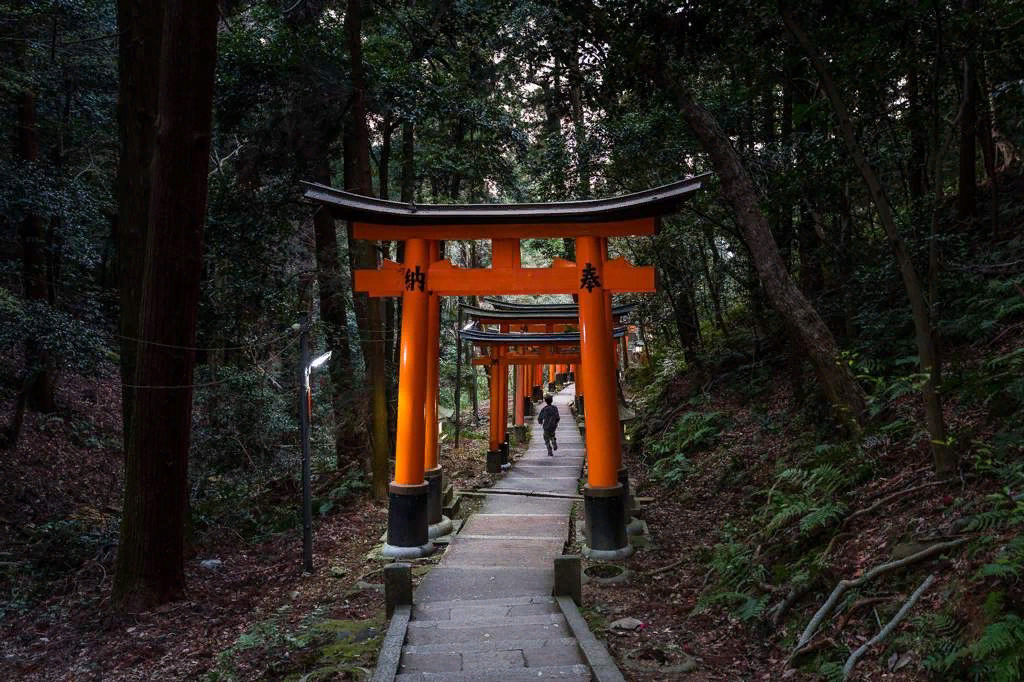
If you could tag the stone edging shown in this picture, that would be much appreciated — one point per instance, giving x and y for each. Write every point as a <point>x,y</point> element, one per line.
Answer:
<point>595,653</point>
<point>391,648</point>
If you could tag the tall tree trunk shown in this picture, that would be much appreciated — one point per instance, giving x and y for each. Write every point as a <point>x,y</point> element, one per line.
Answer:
<point>804,324</point>
<point>39,361</point>
<point>348,436</point>
<point>944,457</point>
<point>150,559</point>
<point>713,273</point>
<point>362,254</point>
<point>967,199</point>
<point>140,30</point>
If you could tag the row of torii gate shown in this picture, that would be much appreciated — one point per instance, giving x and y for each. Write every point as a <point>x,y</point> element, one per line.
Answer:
<point>414,499</point>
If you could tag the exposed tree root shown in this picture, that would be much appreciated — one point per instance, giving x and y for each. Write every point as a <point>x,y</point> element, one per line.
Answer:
<point>887,499</point>
<point>890,626</point>
<point>859,604</point>
<point>795,593</point>
<point>663,569</point>
<point>845,585</point>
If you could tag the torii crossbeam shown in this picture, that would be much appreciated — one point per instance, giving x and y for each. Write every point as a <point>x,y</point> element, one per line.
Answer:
<point>423,277</point>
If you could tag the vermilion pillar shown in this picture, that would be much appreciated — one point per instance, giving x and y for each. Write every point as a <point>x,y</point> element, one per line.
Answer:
<point>604,495</point>
<point>494,450</point>
<point>503,408</point>
<point>518,380</point>
<point>437,524</point>
<point>407,495</point>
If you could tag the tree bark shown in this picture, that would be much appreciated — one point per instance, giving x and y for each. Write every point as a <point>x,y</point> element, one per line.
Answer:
<point>140,30</point>
<point>150,560</point>
<point>40,363</point>
<point>362,254</point>
<point>804,324</point>
<point>967,198</point>
<point>348,439</point>
<point>944,457</point>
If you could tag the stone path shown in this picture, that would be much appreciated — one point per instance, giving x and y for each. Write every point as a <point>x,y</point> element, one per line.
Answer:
<point>485,612</point>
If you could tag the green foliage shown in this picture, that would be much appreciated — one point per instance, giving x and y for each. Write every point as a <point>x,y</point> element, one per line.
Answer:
<point>997,654</point>
<point>315,648</point>
<point>805,495</point>
<point>691,433</point>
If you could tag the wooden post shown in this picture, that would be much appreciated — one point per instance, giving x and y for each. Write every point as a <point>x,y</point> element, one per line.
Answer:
<point>518,381</point>
<point>407,495</point>
<point>458,377</point>
<point>604,495</point>
<point>432,474</point>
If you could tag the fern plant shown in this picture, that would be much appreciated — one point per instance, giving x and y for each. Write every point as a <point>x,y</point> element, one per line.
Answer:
<point>807,496</point>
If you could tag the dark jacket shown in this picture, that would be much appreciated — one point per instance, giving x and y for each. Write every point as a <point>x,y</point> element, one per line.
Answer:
<point>548,418</point>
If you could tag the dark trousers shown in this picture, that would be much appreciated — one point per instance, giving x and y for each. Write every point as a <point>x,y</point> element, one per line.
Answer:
<point>549,440</point>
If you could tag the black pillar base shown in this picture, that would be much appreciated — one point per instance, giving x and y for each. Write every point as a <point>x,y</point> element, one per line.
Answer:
<point>407,521</point>
<point>527,406</point>
<point>551,387</point>
<point>433,477</point>
<point>504,447</point>
<point>605,511</point>
<point>494,461</point>
<point>538,394</point>
<point>579,405</point>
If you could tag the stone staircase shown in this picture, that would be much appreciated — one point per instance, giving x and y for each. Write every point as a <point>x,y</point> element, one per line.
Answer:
<point>485,612</point>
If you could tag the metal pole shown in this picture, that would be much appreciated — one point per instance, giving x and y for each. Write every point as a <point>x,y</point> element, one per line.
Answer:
<point>304,395</point>
<point>458,375</point>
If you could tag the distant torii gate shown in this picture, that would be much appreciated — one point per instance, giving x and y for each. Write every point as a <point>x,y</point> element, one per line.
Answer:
<point>498,352</point>
<point>422,278</point>
<point>548,318</point>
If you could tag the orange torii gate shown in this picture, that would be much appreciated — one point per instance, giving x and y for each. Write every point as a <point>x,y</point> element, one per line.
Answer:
<point>617,313</point>
<point>549,318</point>
<point>498,351</point>
<point>421,279</point>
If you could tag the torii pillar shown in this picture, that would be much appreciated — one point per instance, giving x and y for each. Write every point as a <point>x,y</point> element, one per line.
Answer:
<point>408,518</point>
<point>438,524</point>
<point>604,496</point>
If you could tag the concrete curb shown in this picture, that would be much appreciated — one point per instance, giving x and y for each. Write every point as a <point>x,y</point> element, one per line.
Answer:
<point>391,648</point>
<point>595,653</point>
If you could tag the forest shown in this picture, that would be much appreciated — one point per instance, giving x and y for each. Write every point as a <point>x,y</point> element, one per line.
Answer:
<point>828,392</point>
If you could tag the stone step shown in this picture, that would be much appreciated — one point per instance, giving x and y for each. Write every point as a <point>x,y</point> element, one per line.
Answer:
<point>461,611</point>
<point>452,506</point>
<point>507,657</point>
<point>497,601</point>
<point>525,627</point>
<point>576,673</point>
<point>507,645</point>
<point>470,619</point>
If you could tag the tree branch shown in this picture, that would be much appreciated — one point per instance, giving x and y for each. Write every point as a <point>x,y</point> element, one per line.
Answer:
<point>890,626</point>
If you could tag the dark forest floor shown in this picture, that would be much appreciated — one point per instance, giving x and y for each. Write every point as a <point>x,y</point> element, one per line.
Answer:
<point>254,614</point>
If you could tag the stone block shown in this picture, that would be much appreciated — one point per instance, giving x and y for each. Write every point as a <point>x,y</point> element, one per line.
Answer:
<point>568,578</point>
<point>397,586</point>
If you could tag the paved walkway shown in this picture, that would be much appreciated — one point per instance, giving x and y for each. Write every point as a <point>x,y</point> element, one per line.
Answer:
<point>485,612</point>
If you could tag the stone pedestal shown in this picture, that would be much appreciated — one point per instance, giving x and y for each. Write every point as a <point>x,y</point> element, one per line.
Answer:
<point>605,513</point>
<point>408,535</point>
<point>438,524</point>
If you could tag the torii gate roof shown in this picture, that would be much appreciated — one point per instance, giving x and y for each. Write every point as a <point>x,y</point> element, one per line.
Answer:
<point>537,314</point>
<point>526,338</point>
<point>630,214</point>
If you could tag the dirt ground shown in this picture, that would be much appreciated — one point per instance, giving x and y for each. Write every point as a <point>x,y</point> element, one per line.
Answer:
<point>252,613</point>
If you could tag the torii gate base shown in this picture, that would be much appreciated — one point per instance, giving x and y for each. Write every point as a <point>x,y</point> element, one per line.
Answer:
<point>605,512</point>
<point>408,529</point>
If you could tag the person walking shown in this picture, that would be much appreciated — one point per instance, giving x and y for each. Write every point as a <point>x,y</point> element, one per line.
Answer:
<point>548,419</point>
